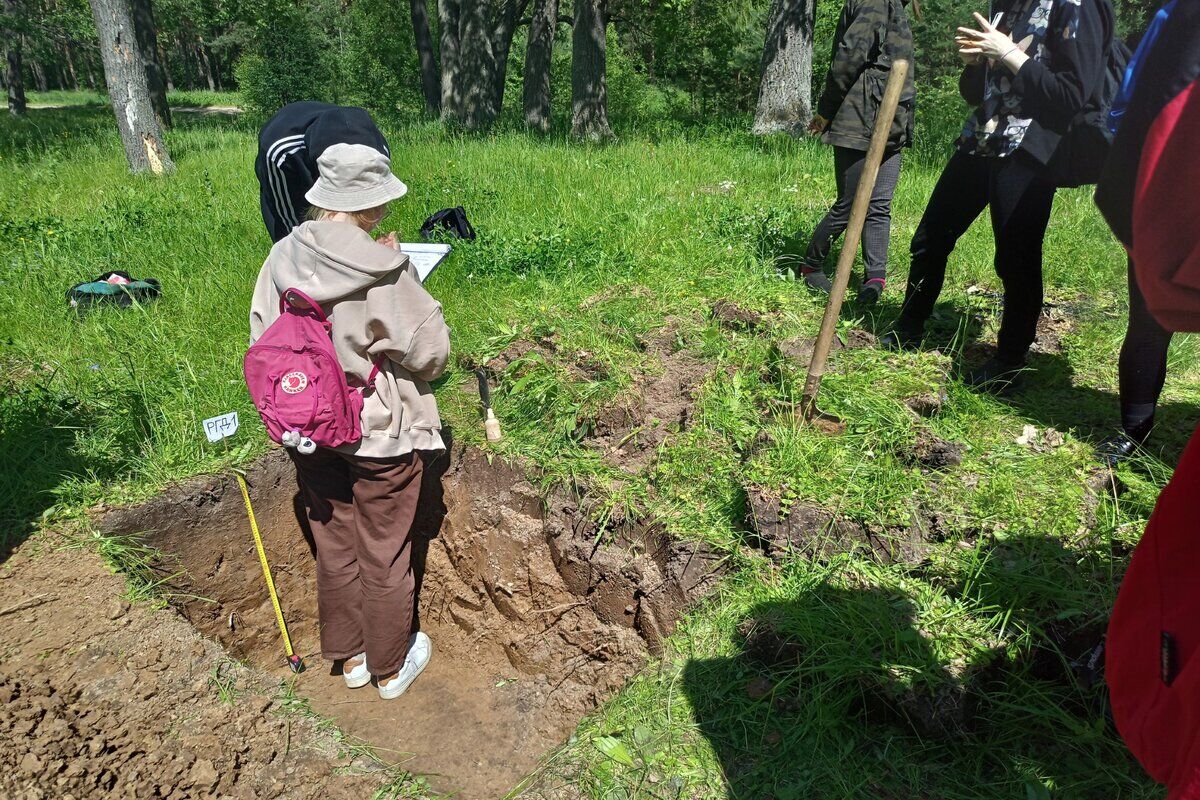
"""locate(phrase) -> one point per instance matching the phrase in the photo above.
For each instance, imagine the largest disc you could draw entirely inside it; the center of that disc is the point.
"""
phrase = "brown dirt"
(799, 349)
(100, 699)
(934, 453)
(535, 615)
(814, 532)
(1055, 324)
(732, 316)
(658, 404)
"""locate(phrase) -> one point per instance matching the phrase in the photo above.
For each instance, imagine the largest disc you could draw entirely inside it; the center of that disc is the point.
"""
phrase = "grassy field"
(595, 250)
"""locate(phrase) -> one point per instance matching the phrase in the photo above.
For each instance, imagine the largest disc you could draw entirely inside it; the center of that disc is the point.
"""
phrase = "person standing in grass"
(1147, 196)
(360, 500)
(1142, 366)
(871, 35)
(288, 148)
(1031, 69)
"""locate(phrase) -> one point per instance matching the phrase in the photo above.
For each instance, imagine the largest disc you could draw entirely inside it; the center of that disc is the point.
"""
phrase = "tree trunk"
(538, 56)
(448, 20)
(589, 94)
(205, 65)
(215, 63)
(14, 80)
(69, 60)
(785, 92)
(162, 62)
(35, 66)
(428, 62)
(147, 44)
(506, 27)
(476, 65)
(125, 74)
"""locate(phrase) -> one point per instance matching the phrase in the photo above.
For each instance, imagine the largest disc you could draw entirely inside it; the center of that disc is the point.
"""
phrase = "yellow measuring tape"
(294, 660)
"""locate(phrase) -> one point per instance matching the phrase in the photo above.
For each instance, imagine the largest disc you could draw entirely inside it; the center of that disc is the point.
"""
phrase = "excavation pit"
(536, 615)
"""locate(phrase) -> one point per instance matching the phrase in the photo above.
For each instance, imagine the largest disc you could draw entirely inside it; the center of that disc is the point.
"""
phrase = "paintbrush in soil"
(858, 215)
(491, 425)
(294, 661)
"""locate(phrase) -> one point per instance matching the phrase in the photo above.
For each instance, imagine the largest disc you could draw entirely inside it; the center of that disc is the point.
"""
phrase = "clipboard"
(425, 256)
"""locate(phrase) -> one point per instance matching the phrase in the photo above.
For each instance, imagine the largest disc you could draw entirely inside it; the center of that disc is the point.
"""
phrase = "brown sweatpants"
(361, 512)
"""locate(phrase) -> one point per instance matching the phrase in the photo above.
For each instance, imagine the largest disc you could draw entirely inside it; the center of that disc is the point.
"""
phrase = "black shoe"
(1117, 448)
(870, 292)
(902, 337)
(996, 377)
(817, 280)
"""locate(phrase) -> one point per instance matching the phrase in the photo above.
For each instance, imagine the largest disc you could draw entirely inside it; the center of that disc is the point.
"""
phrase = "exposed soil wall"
(535, 614)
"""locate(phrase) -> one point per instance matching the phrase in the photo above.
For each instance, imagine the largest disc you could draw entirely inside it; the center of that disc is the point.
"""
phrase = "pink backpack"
(297, 384)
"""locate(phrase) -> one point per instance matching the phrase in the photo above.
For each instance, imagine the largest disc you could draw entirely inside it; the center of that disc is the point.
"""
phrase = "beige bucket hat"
(354, 177)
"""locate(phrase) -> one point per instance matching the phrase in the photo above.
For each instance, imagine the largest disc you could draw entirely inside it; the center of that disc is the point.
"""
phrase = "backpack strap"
(375, 369)
(286, 299)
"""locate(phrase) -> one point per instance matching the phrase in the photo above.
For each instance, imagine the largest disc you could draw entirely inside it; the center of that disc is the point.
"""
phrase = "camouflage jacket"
(871, 34)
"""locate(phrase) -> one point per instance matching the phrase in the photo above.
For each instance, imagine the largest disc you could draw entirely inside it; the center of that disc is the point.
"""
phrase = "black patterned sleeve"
(1054, 92)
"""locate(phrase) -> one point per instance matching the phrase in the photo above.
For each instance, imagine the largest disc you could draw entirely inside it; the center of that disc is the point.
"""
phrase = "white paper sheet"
(425, 256)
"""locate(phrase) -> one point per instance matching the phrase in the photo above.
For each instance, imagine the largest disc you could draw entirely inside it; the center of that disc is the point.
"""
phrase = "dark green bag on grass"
(113, 288)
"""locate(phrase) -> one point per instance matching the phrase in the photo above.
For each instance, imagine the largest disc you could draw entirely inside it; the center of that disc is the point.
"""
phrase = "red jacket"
(1148, 193)
(1152, 654)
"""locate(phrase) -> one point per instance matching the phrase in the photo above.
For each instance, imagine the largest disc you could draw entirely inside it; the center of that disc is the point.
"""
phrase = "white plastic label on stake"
(222, 427)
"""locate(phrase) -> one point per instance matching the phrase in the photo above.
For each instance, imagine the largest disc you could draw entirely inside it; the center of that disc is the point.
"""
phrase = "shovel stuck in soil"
(294, 661)
(830, 423)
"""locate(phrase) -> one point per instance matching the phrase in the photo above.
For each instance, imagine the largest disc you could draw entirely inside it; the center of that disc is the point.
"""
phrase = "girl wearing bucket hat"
(360, 500)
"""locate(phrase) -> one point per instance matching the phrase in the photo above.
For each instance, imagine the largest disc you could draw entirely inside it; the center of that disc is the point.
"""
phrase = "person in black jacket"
(1142, 366)
(288, 148)
(871, 35)
(1030, 70)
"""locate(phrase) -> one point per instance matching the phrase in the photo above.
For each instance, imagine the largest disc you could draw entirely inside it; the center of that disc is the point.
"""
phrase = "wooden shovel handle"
(858, 216)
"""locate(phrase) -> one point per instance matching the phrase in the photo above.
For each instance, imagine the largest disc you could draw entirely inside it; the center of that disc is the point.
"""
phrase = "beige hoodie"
(378, 308)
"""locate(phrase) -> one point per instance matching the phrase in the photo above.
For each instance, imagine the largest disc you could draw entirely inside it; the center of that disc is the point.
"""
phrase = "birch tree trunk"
(785, 90)
(538, 56)
(125, 74)
(13, 77)
(589, 93)
(428, 62)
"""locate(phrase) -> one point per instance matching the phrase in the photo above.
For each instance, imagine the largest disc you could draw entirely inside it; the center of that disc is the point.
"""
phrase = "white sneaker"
(419, 651)
(357, 676)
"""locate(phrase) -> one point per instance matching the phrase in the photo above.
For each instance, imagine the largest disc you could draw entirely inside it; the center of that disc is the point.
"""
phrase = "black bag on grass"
(113, 288)
(453, 221)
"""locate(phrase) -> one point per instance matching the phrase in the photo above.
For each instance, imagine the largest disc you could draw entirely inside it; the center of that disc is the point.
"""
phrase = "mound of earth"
(813, 532)
(658, 404)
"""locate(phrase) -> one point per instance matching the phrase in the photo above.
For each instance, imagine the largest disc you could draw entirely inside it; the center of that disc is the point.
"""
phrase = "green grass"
(595, 249)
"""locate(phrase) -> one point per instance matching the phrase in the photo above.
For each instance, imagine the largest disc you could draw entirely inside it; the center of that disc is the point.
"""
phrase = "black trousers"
(1020, 200)
(1143, 364)
(848, 166)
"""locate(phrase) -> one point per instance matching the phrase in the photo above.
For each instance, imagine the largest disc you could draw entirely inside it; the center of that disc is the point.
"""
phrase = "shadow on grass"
(37, 438)
(818, 676)
(43, 129)
(53, 442)
(1052, 397)
(841, 692)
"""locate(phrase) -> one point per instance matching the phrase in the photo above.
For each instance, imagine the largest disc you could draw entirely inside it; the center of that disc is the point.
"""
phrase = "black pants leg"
(960, 196)
(1142, 366)
(1021, 201)
(848, 166)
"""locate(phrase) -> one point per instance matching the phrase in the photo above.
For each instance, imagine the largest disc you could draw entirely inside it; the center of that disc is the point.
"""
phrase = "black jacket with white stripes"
(288, 148)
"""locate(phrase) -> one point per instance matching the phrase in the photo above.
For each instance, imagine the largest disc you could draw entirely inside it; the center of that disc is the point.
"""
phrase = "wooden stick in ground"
(858, 216)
